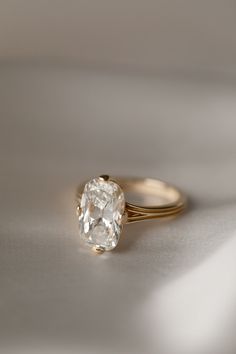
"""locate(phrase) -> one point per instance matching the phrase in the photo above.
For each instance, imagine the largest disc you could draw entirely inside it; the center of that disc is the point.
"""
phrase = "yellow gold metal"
(104, 177)
(98, 249)
(78, 210)
(174, 200)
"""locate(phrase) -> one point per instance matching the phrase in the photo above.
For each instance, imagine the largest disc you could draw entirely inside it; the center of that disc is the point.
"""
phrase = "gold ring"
(102, 209)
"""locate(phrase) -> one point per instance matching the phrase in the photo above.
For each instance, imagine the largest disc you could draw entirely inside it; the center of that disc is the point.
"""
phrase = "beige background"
(132, 88)
(151, 35)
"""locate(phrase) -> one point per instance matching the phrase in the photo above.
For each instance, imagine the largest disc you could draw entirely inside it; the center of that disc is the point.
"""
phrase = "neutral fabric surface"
(169, 287)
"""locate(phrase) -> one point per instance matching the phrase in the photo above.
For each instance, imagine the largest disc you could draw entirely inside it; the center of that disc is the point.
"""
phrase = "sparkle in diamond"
(102, 207)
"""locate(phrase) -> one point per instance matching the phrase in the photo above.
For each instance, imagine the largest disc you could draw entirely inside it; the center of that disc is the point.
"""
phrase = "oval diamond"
(101, 210)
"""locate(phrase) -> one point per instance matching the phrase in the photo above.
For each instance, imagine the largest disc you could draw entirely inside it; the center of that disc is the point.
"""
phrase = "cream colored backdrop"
(132, 88)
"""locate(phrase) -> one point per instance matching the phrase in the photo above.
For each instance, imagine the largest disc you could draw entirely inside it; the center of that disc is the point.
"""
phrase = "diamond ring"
(103, 210)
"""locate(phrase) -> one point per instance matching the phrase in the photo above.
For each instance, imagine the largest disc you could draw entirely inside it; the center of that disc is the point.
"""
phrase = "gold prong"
(98, 249)
(78, 210)
(104, 177)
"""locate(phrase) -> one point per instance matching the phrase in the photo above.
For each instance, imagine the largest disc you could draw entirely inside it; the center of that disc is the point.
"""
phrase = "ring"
(102, 209)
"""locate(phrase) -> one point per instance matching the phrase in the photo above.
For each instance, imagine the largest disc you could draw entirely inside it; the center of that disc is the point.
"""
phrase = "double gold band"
(174, 203)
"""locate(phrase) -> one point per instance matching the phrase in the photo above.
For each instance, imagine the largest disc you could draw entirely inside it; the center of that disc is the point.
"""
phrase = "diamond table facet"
(101, 210)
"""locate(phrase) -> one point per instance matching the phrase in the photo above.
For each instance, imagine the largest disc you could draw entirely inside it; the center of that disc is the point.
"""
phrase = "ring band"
(102, 209)
(175, 199)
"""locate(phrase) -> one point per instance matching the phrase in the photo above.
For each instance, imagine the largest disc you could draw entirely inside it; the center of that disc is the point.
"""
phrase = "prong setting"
(104, 177)
(98, 249)
(78, 210)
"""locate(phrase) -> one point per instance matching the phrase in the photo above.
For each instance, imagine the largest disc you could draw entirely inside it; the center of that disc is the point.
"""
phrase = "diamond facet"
(101, 210)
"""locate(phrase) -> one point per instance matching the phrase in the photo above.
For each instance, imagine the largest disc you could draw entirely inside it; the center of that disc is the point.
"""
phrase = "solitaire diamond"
(101, 210)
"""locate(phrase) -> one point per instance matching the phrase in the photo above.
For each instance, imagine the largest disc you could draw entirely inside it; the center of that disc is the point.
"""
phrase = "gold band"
(173, 200)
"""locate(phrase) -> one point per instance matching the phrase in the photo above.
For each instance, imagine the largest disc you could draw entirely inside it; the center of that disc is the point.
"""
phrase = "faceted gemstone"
(102, 206)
